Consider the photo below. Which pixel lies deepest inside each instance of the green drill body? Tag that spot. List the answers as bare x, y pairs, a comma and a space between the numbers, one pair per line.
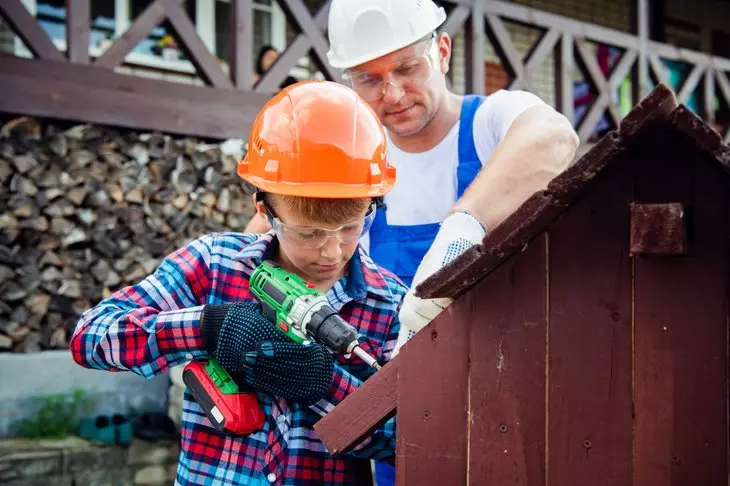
302, 312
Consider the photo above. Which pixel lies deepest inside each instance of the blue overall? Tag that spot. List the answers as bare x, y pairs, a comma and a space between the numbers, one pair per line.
400, 249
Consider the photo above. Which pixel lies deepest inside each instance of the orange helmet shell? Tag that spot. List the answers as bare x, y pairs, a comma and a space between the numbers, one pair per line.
318, 139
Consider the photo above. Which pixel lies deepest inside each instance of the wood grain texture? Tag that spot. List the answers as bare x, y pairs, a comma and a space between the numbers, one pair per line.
538, 211
507, 386
680, 325
658, 229
95, 95
589, 335
362, 411
77, 31
432, 399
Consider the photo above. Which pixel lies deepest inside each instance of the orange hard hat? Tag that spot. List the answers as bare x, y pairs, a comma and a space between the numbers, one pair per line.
318, 139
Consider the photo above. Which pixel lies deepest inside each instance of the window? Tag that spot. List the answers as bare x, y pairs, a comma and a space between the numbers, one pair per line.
269, 25
51, 15
158, 51
103, 23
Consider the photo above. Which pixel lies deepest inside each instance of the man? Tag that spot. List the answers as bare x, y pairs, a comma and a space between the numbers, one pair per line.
465, 163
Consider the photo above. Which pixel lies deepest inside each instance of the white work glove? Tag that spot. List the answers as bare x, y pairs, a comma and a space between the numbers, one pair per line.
459, 232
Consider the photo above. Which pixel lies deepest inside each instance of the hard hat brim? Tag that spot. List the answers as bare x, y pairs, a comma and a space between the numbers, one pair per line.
326, 190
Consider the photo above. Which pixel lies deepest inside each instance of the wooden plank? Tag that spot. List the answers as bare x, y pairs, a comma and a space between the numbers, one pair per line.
300, 15
538, 211
362, 411
545, 20
660, 72
690, 83
507, 373
589, 380
622, 69
193, 47
432, 399
140, 28
658, 229
299, 47
27, 28
535, 58
456, 20
681, 325
240, 48
505, 48
475, 50
564, 63
95, 95
78, 18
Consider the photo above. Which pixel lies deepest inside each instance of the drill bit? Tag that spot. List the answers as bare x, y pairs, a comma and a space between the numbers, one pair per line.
365, 357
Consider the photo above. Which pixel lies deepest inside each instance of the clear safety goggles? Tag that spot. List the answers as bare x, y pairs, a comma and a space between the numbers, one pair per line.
404, 73
313, 238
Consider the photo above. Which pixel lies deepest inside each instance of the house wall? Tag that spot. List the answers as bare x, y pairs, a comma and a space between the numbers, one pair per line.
585, 365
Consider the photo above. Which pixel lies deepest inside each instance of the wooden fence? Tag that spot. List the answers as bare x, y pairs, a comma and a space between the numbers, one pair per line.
73, 85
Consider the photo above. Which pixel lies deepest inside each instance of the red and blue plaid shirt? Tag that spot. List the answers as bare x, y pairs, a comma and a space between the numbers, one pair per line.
153, 325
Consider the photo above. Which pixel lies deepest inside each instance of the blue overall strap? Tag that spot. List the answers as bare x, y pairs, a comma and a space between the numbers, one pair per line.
469, 164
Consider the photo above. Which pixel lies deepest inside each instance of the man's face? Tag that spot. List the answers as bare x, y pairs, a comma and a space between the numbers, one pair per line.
405, 87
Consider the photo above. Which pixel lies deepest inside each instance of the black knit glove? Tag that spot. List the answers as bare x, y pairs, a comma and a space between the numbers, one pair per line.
259, 355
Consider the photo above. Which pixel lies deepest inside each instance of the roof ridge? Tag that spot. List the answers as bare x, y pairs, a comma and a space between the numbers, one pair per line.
659, 108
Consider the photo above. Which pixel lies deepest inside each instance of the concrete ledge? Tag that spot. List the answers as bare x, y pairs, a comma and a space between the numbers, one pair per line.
76, 462
24, 376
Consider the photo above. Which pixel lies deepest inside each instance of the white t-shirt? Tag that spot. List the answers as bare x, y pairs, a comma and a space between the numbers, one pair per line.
426, 186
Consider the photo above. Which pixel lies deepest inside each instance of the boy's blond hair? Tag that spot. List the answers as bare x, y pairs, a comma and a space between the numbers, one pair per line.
322, 210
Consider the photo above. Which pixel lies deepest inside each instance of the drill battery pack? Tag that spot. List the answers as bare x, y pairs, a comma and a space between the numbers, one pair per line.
228, 408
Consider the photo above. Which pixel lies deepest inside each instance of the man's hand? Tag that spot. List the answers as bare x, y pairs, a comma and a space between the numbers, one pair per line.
539, 145
260, 356
459, 232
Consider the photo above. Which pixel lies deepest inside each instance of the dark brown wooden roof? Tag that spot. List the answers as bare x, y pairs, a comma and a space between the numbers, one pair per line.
530, 219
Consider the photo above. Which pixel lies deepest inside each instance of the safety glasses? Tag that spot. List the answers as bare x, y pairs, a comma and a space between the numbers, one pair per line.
404, 73
313, 238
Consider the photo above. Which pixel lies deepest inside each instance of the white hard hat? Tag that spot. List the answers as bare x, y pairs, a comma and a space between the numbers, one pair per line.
363, 30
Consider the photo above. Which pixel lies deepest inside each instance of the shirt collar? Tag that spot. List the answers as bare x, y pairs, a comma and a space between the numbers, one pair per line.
364, 276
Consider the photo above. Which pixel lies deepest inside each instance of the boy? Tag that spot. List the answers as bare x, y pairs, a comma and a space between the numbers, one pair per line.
317, 156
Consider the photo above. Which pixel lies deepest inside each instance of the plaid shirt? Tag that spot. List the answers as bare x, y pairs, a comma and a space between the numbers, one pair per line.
153, 325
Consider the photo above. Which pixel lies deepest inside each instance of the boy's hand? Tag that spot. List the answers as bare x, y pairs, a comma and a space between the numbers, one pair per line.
459, 232
262, 357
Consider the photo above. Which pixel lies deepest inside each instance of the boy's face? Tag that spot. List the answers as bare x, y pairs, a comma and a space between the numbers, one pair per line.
323, 265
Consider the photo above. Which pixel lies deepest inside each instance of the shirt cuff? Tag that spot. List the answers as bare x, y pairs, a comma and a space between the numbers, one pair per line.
179, 334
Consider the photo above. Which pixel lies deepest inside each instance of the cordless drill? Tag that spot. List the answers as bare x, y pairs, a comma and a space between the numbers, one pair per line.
301, 312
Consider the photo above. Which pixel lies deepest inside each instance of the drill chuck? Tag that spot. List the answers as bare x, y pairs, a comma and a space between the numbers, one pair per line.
328, 328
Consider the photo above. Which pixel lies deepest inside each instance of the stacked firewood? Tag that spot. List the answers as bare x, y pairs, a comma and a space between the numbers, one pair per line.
86, 210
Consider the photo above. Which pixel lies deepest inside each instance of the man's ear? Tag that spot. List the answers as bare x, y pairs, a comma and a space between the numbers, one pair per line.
443, 43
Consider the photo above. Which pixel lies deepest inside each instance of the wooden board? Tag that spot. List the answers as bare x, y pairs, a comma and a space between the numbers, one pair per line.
589, 339
537, 212
680, 327
432, 400
507, 377
96, 95
360, 412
